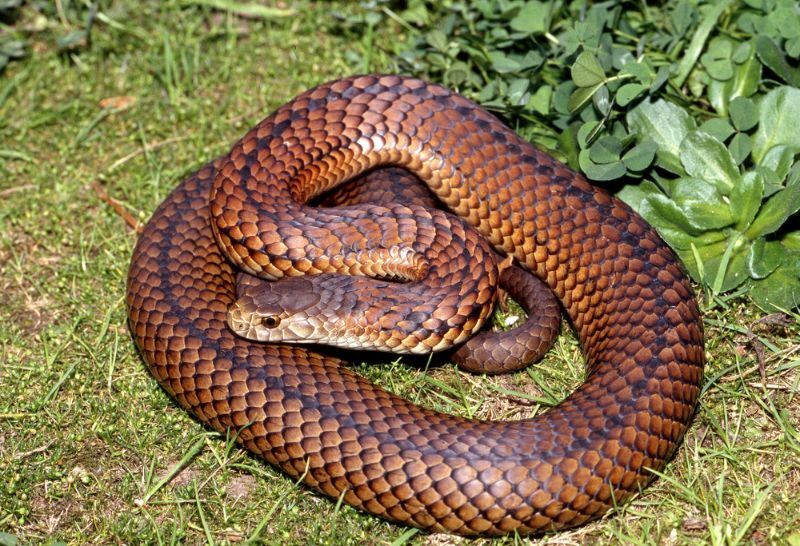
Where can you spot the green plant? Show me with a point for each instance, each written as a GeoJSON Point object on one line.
{"type": "Point", "coordinates": [690, 108]}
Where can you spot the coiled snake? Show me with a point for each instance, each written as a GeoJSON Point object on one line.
{"type": "Point", "coordinates": [621, 286]}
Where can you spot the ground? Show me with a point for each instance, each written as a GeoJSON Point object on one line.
{"type": "Point", "coordinates": [93, 451]}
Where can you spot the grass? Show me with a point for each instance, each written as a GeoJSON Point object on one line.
{"type": "Point", "coordinates": [91, 450]}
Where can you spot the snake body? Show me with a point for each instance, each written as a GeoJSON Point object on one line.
{"type": "Point", "coordinates": [622, 287]}
{"type": "Point", "coordinates": [324, 313]}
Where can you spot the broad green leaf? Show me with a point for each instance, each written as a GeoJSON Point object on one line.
{"type": "Point", "coordinates": [628, 92]}
{"type": "Point", "coordinates": [793, 47]}
{"type": "Point", "coordinates": [779, 159]}
{"type": "Point", "coordinates": [740, 147]}
{"type": "Point", "coordinates": [772, 184]}
{"type": "Point", "coordinates": [780, 290]}
{"type": "Point", "coordinates": [727, 253]}
{"type": "Point", "coordinates": [705, 157]}
{"type": "Point", "coordinates": [719, 128]}
{"type": "Point", "coordinates": [7, 539]}
{"type": "Point", "coordinates": [778, 208]}
{"type": "Point", "coordinates": [744, 113]}
{"type": "Point", "coordinates": [640, 156]}
{"type": "Point", "coordinates": [745, 199]}
{"type": "Point", "coordinates": [792, 241]}
{"type": "Point", "coordinates": [735, 268]}
{"type": "Point", "coordinates": [701, 203]}
{"type": "Point", "coordinates": [771, 55]}
{"type": "Point", "coordinates": [764, 257]}
{"type": "Point", "coordinates": [587, 71]}
{"type": "Point", "coordinates": [664, 213]}
{"type": "Point", "coordinates": [533, 18]}
{"type": "Point", "coordinates": [666, 125]}
{"type": "Point", "coordinates": [634, 194]}
{"type": "Point", "coordinates": [779, 121]}
{"type": "Point", "coordinates": [595, 171]}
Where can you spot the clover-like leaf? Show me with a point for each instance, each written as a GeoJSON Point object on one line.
{"type": "Point", "coordinates": [719, 128]}
{"type": "Point", "coordinates": [597, 171]}
{"type": "Point", "coordinates": [743, 83]}
{"type": "Point", "coordinates": [628, 92]}
{"type": "Point", "coordinates": [744, 113]}
{"type": "Point", "coordinates": [640, 156]}
{"type": "Point", "coordinates": [540, 100]}
{"type": "Point", "coordinates": [437, 39]}
{"type": "Point", "coordinates": [502, 63]}
{"type": "Point", "coordinates": [639, 70]}
{"type": "Point", "coordinates": [740, 147]}
{"type": "Point", "coordinates": [605, 150]}
{"type": "Point", "coordinates": [587, 71]}
{"type": "Point", "coordinates": [717, 59]}
{"type": "Point", "coordinates": [533, 18]}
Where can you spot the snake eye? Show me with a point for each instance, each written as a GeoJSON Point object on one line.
{"type": "Point", "coordinates": [270, 321]}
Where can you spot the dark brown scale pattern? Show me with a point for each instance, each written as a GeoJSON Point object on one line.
{"type": "Point", "coordinates": [623, 288]}
{"type": "Point", "coordinates": [487, 351]}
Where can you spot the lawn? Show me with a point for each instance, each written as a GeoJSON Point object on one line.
{"type": "Point", "coordinates": [93, 451]}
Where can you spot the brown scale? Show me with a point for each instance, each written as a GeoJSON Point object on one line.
{"type": "Point", "coordinates": [332, 310]}
{"type": "Point", "coordinates": [622, 287]}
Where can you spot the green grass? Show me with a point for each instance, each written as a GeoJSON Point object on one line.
{"type": "Point", "coordinates": [92, 450]}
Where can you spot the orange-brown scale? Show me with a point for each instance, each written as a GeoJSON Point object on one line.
{"type": "Point", "coordinates": [639, 324]}
{"type": "Point", "coordinates": [486, 352]}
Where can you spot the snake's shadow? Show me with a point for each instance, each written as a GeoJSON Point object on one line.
{"type": "Point", "coordinates": [354, 358]}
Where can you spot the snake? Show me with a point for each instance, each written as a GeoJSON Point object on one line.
{"type": "Point", "coordinates": [325, 315]}
{"type": "Point", "coordinates": [623, 289]}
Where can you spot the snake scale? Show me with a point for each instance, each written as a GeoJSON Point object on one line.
{"type": "Point", "coordinates": [269, 311]}
{"type": "Point", "coordinates": [623, 289]}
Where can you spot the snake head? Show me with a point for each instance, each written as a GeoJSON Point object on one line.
{"type": "Point", "coordinates": [280, 311]}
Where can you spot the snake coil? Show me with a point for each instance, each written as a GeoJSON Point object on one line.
{"type": "Point", "coordinates": [622, 287]}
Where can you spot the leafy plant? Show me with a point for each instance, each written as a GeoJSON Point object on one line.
{"type": "Point", "coordinates": [10, 48]}
{"type": "Point", "coordinates": [691, 109]}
